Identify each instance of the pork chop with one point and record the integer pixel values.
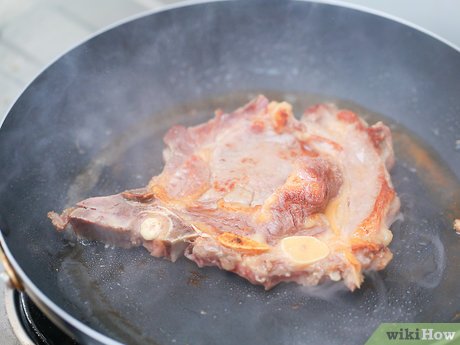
(262, 194)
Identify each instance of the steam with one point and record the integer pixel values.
(331, 292)
(131, 284)
(94, 124)
(432, 278)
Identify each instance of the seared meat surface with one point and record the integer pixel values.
(262, 194)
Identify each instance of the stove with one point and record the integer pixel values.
(29, 324)
(21, 322)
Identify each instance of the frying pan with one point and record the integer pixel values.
(92, 122)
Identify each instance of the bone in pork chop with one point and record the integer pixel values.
(262, 194)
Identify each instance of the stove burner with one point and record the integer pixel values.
(30, 325)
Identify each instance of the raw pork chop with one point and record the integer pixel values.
(259, 193)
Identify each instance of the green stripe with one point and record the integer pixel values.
(416, 333)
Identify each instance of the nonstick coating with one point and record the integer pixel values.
(92, 124)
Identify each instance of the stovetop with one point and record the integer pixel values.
(20, 60)
(29, 324)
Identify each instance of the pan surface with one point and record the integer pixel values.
(92, 124)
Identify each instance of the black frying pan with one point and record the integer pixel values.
(91, 124)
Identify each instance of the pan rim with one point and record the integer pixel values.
(31, 289)
(185, 3)
(40, 298)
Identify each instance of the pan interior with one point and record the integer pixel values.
(140, 299)
(92, 123)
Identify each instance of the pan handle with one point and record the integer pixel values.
(10, 276)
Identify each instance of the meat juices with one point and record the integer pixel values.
(262, 194)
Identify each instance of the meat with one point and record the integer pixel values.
(262, 194)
